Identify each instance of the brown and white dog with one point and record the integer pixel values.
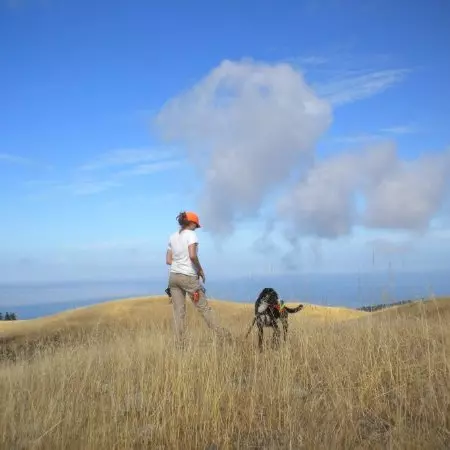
(268, 310)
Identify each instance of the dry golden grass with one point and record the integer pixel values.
(109, 377)
(146, 309)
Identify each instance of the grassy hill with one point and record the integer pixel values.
(143, 311)
(419, 309)
(108, 376)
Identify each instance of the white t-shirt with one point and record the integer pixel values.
(178, 243)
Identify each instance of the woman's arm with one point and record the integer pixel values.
(169, 257)
(193, 255)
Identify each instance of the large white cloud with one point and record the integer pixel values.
(247, 125)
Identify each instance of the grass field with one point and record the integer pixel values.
(109, 377)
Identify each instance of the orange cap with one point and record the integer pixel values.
(192, 217)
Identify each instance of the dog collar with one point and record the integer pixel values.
(280, 306)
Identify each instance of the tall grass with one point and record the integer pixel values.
(376, 382)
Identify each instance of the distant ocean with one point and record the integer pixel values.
(351, 290)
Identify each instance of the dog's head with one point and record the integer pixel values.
(267, 297)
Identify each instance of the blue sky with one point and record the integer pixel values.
(117, 115)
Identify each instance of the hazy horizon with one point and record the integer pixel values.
(351, 290)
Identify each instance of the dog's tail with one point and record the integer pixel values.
(251, 326)
(293, 310)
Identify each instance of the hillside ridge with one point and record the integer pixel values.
(128, 311)
(139, 307)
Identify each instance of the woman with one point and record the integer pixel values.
(185, 274)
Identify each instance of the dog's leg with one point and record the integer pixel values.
(276, 336)
(251, 326)
(260, 337)
(284, 322)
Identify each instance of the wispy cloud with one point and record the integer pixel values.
(343, 76)
(14, 159)
(112, 170)
(128, 157)
(401, 129)
(352, 86)
(149, 168)
(358, 139)
(18, 160)
(76, 187)
(90, 187)
(382, 134)
(122, 164)
(309, 61)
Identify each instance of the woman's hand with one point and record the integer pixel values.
(194, 258)
(201, 275)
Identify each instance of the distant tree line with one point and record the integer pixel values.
(372, 308)
(8, 316)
